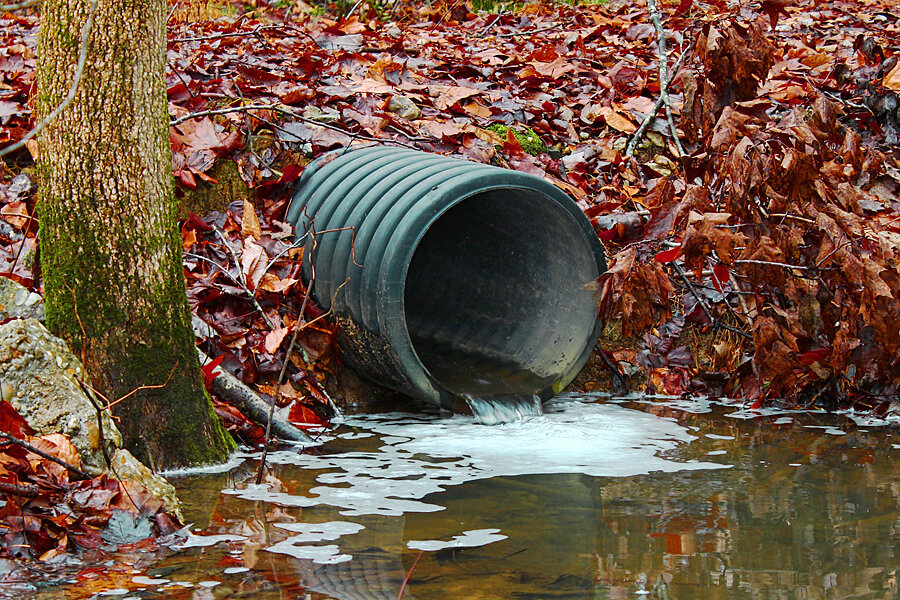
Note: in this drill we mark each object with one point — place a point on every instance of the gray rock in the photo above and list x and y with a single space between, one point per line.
128 468
17 301
322 115
404 107
39 374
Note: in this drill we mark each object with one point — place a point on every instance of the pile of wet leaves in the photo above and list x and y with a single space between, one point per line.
50 507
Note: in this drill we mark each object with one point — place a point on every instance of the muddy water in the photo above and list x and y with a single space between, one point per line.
625 499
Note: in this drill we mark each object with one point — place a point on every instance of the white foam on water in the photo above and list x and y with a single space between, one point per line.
467 539
422 456
323 555
298 546
204 541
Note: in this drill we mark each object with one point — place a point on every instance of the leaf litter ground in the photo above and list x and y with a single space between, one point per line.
761 264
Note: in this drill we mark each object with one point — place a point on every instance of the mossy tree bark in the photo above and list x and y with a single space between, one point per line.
110 246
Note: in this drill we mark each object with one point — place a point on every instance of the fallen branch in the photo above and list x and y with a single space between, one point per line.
21 5
663 85
663 66
231 389
24 491
284 110
79 474
533 31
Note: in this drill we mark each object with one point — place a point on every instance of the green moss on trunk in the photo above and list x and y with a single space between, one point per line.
111 253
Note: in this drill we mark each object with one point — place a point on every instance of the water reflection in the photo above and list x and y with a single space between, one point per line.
802 513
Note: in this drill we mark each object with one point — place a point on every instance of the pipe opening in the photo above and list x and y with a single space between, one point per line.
497 296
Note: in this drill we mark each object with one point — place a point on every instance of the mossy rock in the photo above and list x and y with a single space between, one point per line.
527 138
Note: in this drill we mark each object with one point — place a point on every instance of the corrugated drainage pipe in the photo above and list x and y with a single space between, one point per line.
461 278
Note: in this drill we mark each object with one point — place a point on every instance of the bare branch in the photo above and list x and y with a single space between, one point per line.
664 82
79 70
24 491
20 6
79 474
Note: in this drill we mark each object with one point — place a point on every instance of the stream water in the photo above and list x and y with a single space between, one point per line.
629 498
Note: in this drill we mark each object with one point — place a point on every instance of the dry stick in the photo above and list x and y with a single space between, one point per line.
101 436
79 69
487 27
663 65
715 322
81 475
24 491
621 384
254 33
185 82
409 574
21 5
287 357
632 143
242 281
352 10
22 245
239 282
283 110
541 30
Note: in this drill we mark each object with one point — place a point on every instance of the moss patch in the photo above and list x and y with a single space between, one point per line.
214 196
527 138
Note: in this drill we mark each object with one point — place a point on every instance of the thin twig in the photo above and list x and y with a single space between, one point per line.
352 10
79 474
487 27
409 574
533 31
221 111
22 244
788 216
715 322
21 5
299 117
255 33
185 82
79 69
23 491
101 436
287 358
243 282
663 67
663 85
772 263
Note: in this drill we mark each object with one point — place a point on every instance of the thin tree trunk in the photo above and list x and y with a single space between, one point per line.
110 247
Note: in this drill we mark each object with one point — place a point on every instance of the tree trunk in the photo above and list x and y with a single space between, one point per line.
110 246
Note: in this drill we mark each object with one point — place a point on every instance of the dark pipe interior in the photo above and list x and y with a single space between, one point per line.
497 298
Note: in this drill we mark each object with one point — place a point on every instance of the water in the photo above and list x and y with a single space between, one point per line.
635 499
494 410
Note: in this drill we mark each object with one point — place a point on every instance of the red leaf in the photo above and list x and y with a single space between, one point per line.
208 371
667 256
720 277
684 7
11 421
608 235
304 417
